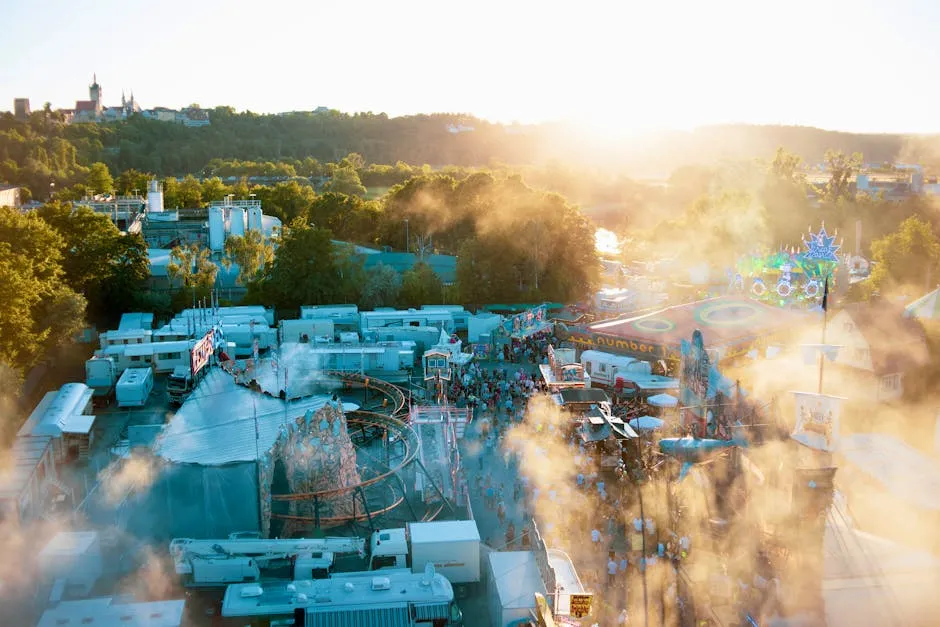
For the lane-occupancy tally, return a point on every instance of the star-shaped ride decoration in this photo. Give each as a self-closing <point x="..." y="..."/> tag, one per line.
<point x="822" y="246"/>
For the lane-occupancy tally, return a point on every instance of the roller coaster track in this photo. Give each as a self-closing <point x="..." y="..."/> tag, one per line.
<point x="356" y="380"/>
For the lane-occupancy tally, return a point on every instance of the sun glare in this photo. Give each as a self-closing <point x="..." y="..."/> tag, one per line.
<point x="606" y="242"/>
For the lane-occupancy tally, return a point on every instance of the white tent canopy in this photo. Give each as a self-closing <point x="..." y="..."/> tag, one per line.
<point x="662" y="400"/>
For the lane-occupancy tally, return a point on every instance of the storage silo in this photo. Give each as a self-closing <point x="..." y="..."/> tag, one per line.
<point x="155" y="197"/>
<point x="216" y="228"/>
<point x="237" y="221"/>
<point x="254" y="218"/>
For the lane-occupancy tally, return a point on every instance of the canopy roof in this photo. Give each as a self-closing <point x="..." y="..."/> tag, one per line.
<point x="726" y="320"/>
<point x="927" y="307"/>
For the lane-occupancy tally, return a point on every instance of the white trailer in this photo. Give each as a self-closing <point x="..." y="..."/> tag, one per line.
<point x="73" y="558"/>
<point x="134" y="387"/>
<point x="371" y="320"/>
<point x="453" y="547"/>
<point x="482" y="324"/>
<point x="128" y="336"/>
<point x="461" y="316"/>
<point x="306" y="331"/>
<point x="216" y="563"/>
<point x="608" y="370"/>
<point x="399" y="599"/>
<point x="164" y="356"/>
<point x="243" y="336"/>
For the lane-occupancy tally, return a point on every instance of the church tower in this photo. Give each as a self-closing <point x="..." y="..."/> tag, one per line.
<point x="94" y="93"/>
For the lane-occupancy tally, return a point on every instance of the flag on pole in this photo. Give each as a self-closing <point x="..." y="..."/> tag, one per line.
<point x="825" y="300"/>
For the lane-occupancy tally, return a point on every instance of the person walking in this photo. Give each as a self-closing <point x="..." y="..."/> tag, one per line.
<point x="611" y="572"/>
<point x="501" y="513"/>
<point x="510" y="535"/>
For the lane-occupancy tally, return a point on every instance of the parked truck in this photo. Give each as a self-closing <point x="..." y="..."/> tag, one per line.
<point x="617" y="371"/>
<point x="180" y="383"/>
<point x="101" y="375"/>
<point x="453" y="547"/>
<point x="134" y="387"/>
<point x="217" y="563"/>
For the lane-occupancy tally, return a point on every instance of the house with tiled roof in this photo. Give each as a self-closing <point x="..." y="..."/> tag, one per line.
<point x="880" y="345"/>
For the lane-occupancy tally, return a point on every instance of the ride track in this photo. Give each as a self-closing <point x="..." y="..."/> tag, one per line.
<point x="394" y="425"/>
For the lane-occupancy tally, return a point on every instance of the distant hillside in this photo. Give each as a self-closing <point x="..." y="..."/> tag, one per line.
<point x="171" y="149"/>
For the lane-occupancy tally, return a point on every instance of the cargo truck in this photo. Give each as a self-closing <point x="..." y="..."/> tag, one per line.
<point x="101" y="375"/>
<point x="217" y="563"/>
<point x="181" y="382"/>
<point x="453" y="547"/>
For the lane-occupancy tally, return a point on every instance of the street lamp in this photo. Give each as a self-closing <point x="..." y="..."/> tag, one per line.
<point x="406" y="235"/>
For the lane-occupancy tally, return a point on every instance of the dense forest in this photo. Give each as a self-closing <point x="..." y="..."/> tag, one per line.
<point x="45" y="150"/>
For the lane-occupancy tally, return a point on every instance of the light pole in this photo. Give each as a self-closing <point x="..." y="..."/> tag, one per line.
<point x="406" y="235"/>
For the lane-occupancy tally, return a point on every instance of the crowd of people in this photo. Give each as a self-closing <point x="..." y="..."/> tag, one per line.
<point x="594" y="514"/>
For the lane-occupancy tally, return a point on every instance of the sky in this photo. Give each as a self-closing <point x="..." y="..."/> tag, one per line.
<point x="854" y="65"/>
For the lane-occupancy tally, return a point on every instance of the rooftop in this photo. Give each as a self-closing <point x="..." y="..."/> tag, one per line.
<point x="25" y="456"/>
<point x="69" y="543"/>
<point x="216" y="424"/>
<point x="61" y="412"/>
<point x="517" y="578"/>
<point x="899" y="468"/>
<point x="104" y="612"/>
<point x="373" y="589"/>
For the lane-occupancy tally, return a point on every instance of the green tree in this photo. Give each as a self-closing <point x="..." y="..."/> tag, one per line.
<point x="192" y="265"/>
<point x="98" y="180"/>
<point x="350" y="218"/>
<point x="286" y="200"/>
<point x="108" y="267"/>
<point x="171" y="193"/>
<point x="132" y="180"/>
<point x="382" y="287"/>
<point x="420" y="286"/>
<point x="842" y="169"/>
<point x="38" y="311"/>
<point x="190" y="193"/>
<point x="214" y="189"/>
<point x="307" y="270"/>
<point x="251" y="253"/>
<point x="345" y="180"/>
<point x="909" y="258"/>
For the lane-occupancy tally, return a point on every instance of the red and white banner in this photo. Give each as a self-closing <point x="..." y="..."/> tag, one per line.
<point x="201" y="353"/>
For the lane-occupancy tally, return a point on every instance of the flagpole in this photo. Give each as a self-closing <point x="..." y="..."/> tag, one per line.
<point x="822" y="348"/>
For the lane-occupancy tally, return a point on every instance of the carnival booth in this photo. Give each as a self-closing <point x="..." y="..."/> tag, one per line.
<point x="732" y="326"/>
<point x="562" y="372"/>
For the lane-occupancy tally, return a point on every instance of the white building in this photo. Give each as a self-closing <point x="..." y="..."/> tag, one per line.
<point x="106" y="612"/>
